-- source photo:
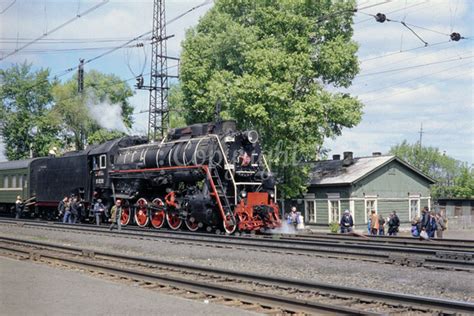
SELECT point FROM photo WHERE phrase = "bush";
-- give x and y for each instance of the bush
(334, 227)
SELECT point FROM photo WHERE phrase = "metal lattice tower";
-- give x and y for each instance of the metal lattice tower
(158, 119)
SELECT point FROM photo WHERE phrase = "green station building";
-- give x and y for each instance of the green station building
(380, 182)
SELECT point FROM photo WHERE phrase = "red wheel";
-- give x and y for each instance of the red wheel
(125, 218)
(174, 222)
(141, 213)
(191, 223)
(229, 228)
(157, 216)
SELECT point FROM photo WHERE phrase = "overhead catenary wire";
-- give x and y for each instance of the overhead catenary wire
(415, 79)
(385, 97)
(8, 7)
(78, 16)
(416, 66)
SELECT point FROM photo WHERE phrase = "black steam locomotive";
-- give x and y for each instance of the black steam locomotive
(209, 176)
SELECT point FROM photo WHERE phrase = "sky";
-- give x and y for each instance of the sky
(404, 84)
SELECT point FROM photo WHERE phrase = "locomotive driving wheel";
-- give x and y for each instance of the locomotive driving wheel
(191, 223)
(157, 216)
(228, 227)
(173, 219)
(141, 213)
(126, 214)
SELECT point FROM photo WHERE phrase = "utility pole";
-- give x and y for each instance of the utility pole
(158, 119)
(80, 76)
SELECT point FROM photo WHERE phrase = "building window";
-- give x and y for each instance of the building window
(13, 184)
(334, 210)
(5, 182)
(310, 211)
(370, 205)
(414, 209)
(20, 181)
(102, 162)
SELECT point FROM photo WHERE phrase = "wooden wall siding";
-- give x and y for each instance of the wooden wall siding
(322, 211)
(392, 181)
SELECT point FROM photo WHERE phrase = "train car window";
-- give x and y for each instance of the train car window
(95, 166)
(103, 161)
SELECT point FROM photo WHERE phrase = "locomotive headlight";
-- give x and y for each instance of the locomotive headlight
(272, 195)
(243, 194)
(251, 136)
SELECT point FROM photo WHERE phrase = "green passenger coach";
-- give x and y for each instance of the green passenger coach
(14, 180)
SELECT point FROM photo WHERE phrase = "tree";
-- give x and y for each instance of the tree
(102, 112)
(454, 179)
(269, 65)
(25, 104)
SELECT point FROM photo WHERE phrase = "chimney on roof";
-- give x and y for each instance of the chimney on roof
(348, 158)
(376, 154)
(336, 157)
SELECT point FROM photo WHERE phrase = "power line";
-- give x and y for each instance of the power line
(8, 7)
(416, 78)
(413, 89)
(405, 50)
(416, 66)
(394, 11)
(78, 16)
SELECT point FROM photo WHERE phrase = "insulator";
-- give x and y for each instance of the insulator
(380, 17)
(455, 36)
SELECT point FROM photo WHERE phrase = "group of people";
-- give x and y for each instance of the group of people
(377, 223)
(428, 225)
(425, 226)
(71, 209)
(295, 218)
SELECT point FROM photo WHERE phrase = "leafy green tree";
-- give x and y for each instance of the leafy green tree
(25, 104)
(72, 110)
(269, 63)
(454, 178)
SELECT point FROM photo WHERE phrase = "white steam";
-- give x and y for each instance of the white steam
(107, 115)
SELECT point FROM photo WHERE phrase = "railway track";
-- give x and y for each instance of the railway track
(437, 258)
(261, 293)
(456, 244)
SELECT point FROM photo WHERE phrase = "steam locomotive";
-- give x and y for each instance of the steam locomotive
(209, 176)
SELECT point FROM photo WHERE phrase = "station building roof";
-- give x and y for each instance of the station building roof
(340, 172)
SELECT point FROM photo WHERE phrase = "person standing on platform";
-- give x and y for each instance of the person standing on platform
(374, 223)
(440, 226)
(381, 225)
(393, 224)
(67, 212)
(19, 205)
(62, 207)
(99, 209)
(116, 215)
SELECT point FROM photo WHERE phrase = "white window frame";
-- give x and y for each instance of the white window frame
(330, 219)
(5, 182)
(368, 198)
(417, 198)
(102, 161)
(307, 210)
(352, 209)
